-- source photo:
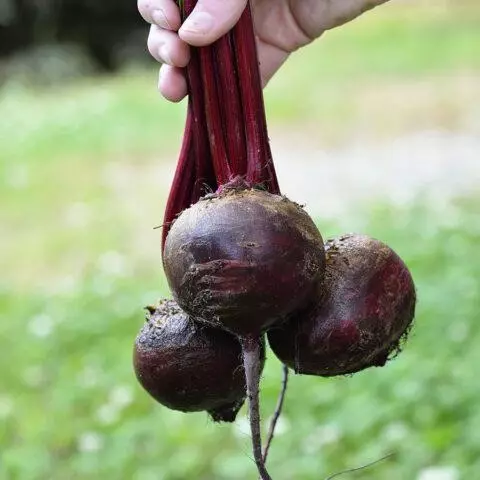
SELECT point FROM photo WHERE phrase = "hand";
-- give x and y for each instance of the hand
(281, 26)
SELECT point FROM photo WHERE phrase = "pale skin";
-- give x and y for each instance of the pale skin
(281, 27)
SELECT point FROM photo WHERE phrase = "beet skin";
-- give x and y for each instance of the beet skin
(362, 310)
(243, 259)
(188, 366)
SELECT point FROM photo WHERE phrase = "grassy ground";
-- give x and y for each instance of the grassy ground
(80, 169)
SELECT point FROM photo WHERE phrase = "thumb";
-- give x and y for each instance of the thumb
(210, 20)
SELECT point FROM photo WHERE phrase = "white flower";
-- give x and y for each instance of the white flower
(241, 427)
(90, 442)
(121, 396)
(395, 432)
(113, 263)
(107, 414)
(439, 473)
(41, 326)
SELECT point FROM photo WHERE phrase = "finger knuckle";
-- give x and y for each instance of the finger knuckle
(145, 7)
(152, 45)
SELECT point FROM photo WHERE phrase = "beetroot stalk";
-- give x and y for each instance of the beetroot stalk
(259, 157)
(229, 97)
(251, 347)
(183, 181)
(204, 175)
(221, 164)
(194, 176)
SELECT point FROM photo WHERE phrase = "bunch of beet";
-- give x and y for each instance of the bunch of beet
(243, 261)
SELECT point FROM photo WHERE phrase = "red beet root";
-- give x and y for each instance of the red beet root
(364, 307)
(243, 259)
(190, 367)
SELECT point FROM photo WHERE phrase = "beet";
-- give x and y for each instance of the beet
(243, 259)
(363, 309)
(188, 366)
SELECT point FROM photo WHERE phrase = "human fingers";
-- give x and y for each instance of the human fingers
(167, 47)
(172, 83)
(209, 20)
(164, 13)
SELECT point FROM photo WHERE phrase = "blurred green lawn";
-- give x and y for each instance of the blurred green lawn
(80, 168)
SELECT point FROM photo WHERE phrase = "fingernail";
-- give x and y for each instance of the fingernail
(198, 23)
(160, 19)
(164, 54)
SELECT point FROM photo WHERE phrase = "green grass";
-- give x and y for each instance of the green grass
(67, 375)
(80, 169)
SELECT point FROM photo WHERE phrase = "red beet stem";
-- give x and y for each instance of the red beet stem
(226, 129)
(204, 174)
(194, 176)
(229, 96)
(184, 180)
(260, 164)
(217, 140)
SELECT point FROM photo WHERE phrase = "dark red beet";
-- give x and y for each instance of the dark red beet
(242, 259)
(188, 366)
(364, 307)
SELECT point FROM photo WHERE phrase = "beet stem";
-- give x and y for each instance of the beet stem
(183, 181)
(277, 413)
(218, 150)
(202, 159)
(260, 169)
(251, 360)
(226, 129)
(232, 117)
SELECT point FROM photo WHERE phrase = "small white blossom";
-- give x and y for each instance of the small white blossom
(113, 263)
(90, 442)
(121, 396)
(439, 473)
(395, 432)
(241, 427)
(107, 414)
(41, 326)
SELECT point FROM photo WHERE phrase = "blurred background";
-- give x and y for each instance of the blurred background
(375, 127)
